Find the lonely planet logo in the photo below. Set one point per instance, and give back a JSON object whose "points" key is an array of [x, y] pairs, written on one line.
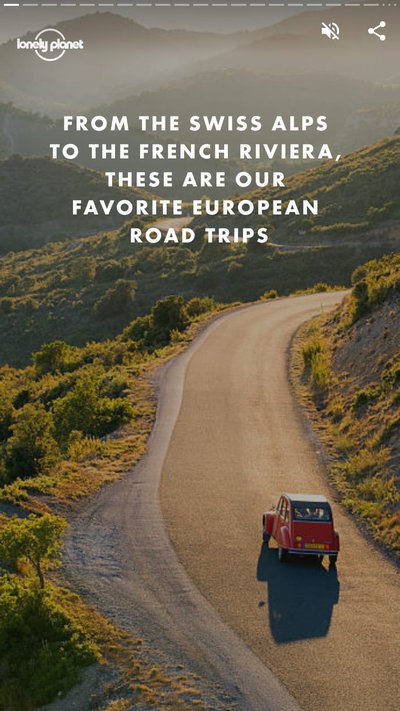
{"points": [[50, 45]]}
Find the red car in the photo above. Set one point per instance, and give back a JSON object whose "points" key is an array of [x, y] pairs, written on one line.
{"points": [[302, 524]]}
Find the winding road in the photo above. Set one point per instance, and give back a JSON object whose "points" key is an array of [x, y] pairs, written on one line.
{"points": [[228, 439]]}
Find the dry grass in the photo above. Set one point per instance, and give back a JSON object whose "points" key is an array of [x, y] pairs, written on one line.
{"points": [[359, 426], [127, 675]]}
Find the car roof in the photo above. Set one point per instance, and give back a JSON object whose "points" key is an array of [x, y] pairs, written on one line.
{"points": [[307, 498]]}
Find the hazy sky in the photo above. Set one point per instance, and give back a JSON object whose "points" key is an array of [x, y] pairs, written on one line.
{"points": [[15, 21]]}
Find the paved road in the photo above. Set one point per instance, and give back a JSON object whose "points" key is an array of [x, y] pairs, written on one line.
{"points": [[228, 439], [332, 638]]}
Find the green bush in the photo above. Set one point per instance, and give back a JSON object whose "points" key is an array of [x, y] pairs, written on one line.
{"points": [[199, 305], [139, 331], [310, 350], [6, 412], [36, 539], [391, 375], [167, 315], [84, 410], [32, 448], [41, 648], [109, 271], [360, 296], [320, 372], [52, 358], [117, 300], [366, 395]]}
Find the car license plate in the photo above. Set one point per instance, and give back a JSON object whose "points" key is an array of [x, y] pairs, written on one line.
{"points": [[317, 546]]}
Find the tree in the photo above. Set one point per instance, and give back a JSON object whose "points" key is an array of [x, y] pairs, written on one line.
{"points": [[168, 315], [52, 357], [77, 410], [84, 410], [200, 305], [6, 410], [35, 539], [117, 300], [32, 448]]}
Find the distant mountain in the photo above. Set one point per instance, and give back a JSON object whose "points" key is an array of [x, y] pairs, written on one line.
{"points": [[120, 57], [25, 133], [36, 197]]}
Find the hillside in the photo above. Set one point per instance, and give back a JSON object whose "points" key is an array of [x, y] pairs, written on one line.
{"points": [[23, 132], [30, 134], [265, 93], [35, 201], [351, 371], [357, 195], [90, 289]]}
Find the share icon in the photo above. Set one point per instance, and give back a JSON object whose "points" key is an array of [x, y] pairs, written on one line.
{"points": [[373, 30]]}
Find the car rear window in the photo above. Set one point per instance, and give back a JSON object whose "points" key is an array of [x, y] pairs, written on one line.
{"points": [[311, 512]]}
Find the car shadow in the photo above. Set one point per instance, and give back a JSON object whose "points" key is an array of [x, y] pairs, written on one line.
{"points": [[301, 594]]}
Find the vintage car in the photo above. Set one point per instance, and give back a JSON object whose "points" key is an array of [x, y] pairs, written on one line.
{"points": [[302, 524]]}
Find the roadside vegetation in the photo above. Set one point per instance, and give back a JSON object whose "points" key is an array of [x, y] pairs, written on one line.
{"points": [[49, 637], [347, 369], [72, 420], [74, 417]]}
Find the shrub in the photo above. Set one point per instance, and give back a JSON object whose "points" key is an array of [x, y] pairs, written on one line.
{"points": [[391, 375], [32, 448], [81, 447], [310, 350], [6, 413], [366, 395], [36, 539], [390, 429], [41, 648], [84, 410], [320, 372], [271, 294], [53, 357], [360, 296], [117, 300], [7, 306], [109, 271], [199, 305], [167, 315], [321, 287]]}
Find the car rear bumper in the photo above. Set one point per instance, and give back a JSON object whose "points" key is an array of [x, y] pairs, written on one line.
{"points": [[302, 551]]}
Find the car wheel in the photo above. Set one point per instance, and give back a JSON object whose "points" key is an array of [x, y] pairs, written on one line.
{"points": [[266, 537], [333, 559], [282, 553], [320, 558]]}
